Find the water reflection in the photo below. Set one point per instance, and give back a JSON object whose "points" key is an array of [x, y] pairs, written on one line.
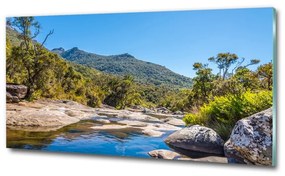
{"points": [[81, 138]]}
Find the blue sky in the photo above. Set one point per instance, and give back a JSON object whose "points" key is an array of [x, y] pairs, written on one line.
{"points": [[172, 39]]}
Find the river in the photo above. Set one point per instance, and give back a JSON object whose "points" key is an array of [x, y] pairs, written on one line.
{"points": [[81, 138]]}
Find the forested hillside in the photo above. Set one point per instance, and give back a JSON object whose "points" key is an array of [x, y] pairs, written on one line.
{"points": [[47, 75], [124, 64]]}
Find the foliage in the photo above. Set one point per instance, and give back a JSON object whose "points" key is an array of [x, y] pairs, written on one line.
{"points": [[122, 93], [203, 82], [224, 61], [226, 110], [265, 73], [121, 81], [125, 64]]}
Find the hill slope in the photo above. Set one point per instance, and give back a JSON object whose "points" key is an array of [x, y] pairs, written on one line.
{"points": [[123, 64], [12, 35]]}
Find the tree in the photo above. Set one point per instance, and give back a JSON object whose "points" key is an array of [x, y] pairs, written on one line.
{"points": [[224, 61], [265, 73], [122, 93], [30, 55], [252, 62], [203, 82], [247, 78]]}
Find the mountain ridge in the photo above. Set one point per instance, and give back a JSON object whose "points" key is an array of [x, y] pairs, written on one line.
{"points": [[126, 64]]}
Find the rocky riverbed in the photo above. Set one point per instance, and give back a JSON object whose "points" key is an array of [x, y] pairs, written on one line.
{"points": [[163, 134], [54, 114]]}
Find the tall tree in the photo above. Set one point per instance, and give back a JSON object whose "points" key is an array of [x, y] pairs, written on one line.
{"points": [[224, 61], [203, 82], [31, 55]]}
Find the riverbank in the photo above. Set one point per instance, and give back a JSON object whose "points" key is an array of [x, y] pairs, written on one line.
{"points": [[45, 115], [164, 135], [54, 118]]}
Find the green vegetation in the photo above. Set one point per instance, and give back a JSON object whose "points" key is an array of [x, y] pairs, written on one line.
{"points": [[47, 75], [219, 101], [125, 64], [44, 73], [222, 112], [213, 100]]}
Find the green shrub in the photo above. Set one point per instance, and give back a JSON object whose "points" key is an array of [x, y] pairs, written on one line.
{"points": [[223, 112]]}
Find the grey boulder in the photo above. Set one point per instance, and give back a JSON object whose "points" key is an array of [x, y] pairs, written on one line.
{"points": [[19, 91], [251, 140], [197, 138]]}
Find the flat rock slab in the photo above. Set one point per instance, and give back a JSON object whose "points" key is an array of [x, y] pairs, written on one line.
{"points": [[164, 154], [150, 129], [208, 159], [59, 113], [110, 127], [174, 121], [172, 155], [46, 113]]}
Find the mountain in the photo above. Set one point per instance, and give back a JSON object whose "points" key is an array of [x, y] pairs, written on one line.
{"points": [[12, 34], [59, 50], [126, 64]]}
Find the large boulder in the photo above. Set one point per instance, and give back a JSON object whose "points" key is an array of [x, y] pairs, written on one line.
{"points": [[17, 90], [11, 99], [251, 140], [197, 138]]}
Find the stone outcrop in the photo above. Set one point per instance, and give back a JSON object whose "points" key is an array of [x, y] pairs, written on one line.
{"points": [[197, 138], [15, 92], [251, 140]]}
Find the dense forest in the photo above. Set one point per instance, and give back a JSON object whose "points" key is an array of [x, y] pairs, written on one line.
{"points": [[210, 99]]}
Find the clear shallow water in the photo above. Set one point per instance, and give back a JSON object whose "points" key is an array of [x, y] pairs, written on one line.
{"points": [[80, 138]]}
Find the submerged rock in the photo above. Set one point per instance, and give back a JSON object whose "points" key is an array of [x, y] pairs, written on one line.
{"points": [[251, 140], [197, 138]]}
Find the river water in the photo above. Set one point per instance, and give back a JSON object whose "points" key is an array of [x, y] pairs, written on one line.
{"points": [[80, 138]]}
